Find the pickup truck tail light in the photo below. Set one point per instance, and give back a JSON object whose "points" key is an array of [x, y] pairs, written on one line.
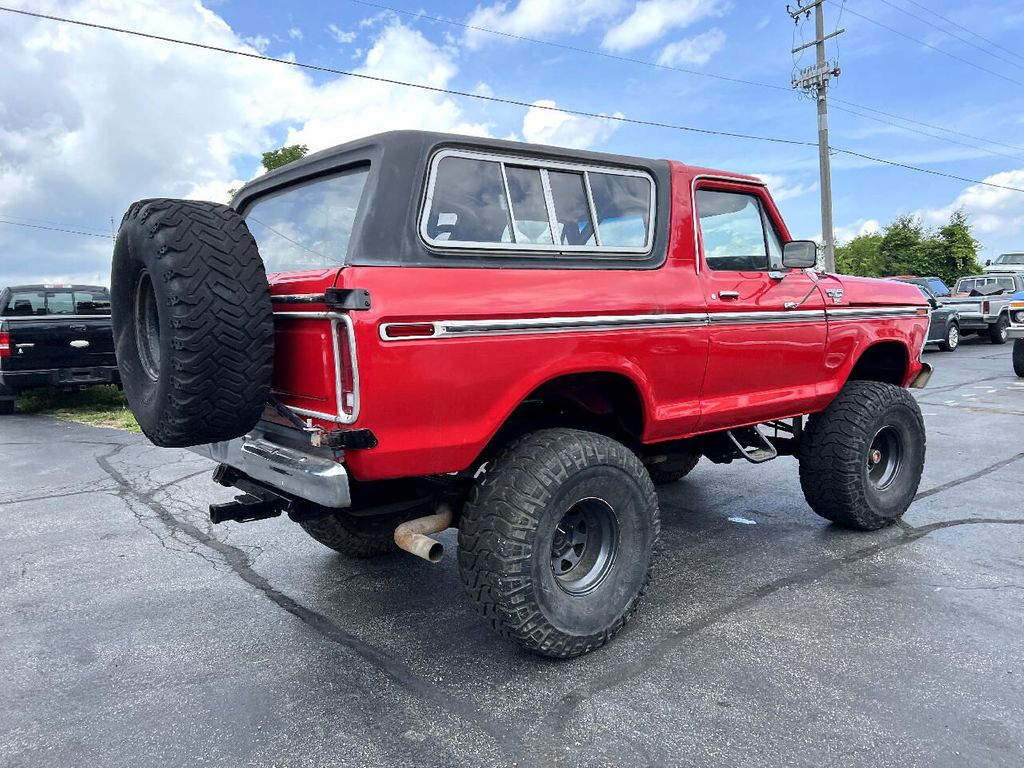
{"points": [[5, 344], [986, 306], [347, 378]]}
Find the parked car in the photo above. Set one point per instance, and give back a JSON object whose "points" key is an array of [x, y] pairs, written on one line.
{"points": [[516, 340], [934, 284], [1006, 262], [1016, 331], [981, 301], [944, 329], [54, 336]]}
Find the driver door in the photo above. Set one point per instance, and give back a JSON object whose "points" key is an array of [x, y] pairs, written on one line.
{"points": [[767, 323]]}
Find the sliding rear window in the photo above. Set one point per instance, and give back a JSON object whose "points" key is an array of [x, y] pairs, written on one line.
{"points": [[57, 301], [308, 226], [492, 202]]}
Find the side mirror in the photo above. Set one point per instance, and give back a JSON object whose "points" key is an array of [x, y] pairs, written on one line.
{"points": [[988, 262], [933, 302], [800, 254]]}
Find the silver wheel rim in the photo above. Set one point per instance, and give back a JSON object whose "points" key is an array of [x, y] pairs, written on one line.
{"points": [[954, 337], [147, 326], [885, 458], [584, 545]]}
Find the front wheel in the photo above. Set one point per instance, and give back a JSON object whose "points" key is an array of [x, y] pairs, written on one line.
{"points": [[557, 540], [861, 458], [673, 469], [952, 340], [998, 332], [1018, 357]]}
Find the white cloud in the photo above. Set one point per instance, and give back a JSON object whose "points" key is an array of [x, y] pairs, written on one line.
{"points": [[653, 19], [82, 135], [340, 35], [538, 18], [991, 210], [259, 42], [859, 227], [783, 189], [346, 109], [295, 33], [693, 50], [545, 125]]}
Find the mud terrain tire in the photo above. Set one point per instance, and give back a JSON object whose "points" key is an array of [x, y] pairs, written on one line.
{"points": [[557, 540], [674, 469], [861, 458], [192, 320]]}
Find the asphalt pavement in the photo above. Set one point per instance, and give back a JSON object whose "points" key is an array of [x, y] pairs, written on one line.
{"points": [[134, 633]]}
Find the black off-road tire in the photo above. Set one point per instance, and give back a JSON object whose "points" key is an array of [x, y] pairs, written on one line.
{"points": [[6, 407], [192, 319], [1018, 357], [341, 534], [674, 469], [952, 340], [997, 330], [512, 536], [836, 452]]}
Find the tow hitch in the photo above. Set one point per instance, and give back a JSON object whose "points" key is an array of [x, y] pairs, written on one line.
{"points": [[257, 502]]}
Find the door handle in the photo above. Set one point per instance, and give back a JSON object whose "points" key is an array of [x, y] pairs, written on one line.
{"points": [[729, 294]]}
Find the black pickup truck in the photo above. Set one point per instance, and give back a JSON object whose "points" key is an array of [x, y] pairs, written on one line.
{"points": [[54, 336]]}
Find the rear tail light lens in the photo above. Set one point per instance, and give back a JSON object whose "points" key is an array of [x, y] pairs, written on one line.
{"points": [[985, 307], [5, 344], [348, 388]]}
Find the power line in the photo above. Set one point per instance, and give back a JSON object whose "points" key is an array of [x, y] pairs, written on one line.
{"points": [[925, 133], [965, 29], [684, 70], [36, 220], [495, 99], [54, 229], [944, 31], [944, 52]]}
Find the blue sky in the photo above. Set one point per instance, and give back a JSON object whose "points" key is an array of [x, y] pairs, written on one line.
{"points": [[91, 120]]}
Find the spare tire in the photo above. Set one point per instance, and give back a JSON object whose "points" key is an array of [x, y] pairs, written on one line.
{"points": [[193, 323]]}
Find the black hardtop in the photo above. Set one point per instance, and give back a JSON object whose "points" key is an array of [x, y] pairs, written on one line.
{"points": [[386, 232]]}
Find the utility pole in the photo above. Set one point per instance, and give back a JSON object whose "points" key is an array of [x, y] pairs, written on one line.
{"points": [[814, 82]]}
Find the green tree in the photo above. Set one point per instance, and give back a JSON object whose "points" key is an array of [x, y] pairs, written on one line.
{"points": [[958, 251], [861, 256], [278, 157], [901, 249]]}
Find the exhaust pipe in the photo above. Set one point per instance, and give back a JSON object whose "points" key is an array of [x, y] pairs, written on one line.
{"points": [[412, 535]]}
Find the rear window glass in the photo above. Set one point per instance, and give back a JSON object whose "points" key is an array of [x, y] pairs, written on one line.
{"points": [[308, 226], [493, 202], [43, 302]]}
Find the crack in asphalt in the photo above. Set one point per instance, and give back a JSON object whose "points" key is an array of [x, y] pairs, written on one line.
{"points": [[568, 704], [238, 562], [952, 387]]}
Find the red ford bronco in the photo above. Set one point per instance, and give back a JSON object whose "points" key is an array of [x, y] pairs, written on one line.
{"points": [[417, 331]]}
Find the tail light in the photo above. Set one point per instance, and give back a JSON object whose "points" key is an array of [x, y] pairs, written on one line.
{"points": [[5, 344], [985, 307], [347, 371]]}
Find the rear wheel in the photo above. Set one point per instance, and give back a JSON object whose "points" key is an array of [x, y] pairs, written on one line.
{"points": [[998, 331], [673, 469], [556, 542], [861, 458], [952, 340], [1018, 357]]}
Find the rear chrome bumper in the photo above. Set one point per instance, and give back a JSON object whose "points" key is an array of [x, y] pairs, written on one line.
{"points": [[307, 475], [921, 380]]}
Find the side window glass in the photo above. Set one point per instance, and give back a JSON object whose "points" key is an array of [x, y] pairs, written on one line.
{"points": [[623, 208], [469, 202], [774, 243], [529, 209], [732, 230], [572, 211]]}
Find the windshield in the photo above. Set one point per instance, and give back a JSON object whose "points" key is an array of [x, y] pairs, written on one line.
{"points": [[308, 226], [1010, 258]]}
